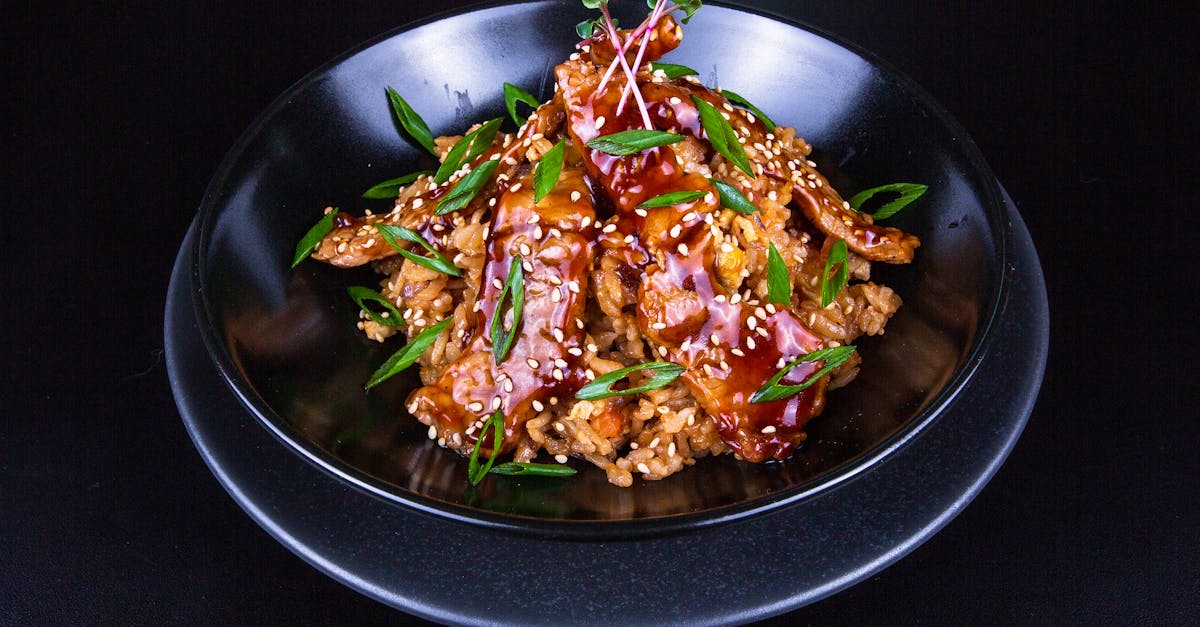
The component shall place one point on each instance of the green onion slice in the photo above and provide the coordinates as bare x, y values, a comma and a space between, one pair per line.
313, 237
467, 187
670, 199
438, 263
837, 259
779, 284
466, 149
722, 136
513, 95
773, 391
673, 70
632, 141
737, 99
908, 192
411, 122
391, 187
664, 372
731, 198
545, 174
533, 470
361, 295
408, 354
514, 289
475, 471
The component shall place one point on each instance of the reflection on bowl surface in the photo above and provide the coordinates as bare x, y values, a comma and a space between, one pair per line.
287, 340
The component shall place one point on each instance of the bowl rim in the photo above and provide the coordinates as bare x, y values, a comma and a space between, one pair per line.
839, 474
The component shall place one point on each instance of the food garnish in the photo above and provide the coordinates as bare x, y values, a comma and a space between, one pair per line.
513, 95
437, 263
391, 187
407, 355
671, 199
545, 174
464, 192
663, 373
531, 469
673, 70
722, 136
475, 470
503, 335
313, 237
773, 391
738, 100
361, 295
412, 123
631, 142
837, 265
908, 192
779, 283
731, 198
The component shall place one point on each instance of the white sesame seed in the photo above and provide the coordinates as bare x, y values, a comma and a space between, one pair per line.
557, 333
750, 343
432, 432
497, 283
600, 122
533, 363
575, 196
768, 429
675, 231
683, 249
653, 443
475, 407
643, 468
751, 322
555, 296
609, 228
524, 248
560, 458
575, 350
557, 374
537, 405
739, 352
495, 403
662, 350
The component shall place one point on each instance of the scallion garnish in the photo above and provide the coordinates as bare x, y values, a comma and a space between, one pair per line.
475, 471
908, 193
779, 283
632, 141
438, 263
545, 174
773, 391
671, 199
514, 290
467, 187
664, 372
673, 70
533, 470
837, 259
466, 149
513, 95
361, 295
722, 136
737, 99
731, 198
411, 122
313, 237
391, 187
408, 354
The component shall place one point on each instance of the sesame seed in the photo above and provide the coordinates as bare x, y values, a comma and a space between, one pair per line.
653, 443
735, 299
515, 188
537, 232
720, 298
557, 333
770, 309
658, 326
750, 343
573, 286
553, 400
495, 403
685, 345
557, 374
671, 449
724, 365
533, 363
600, 122
475, 407
683, 249
555, 296
641, 212
537, 405
708, 371
497, 283
575, 196
689, 216
633, 445
762, 331
662, 350
674, 100
592, 348
716, 340
560, 458
524, 248
432, 432
575, 350
768, 429
609, 228
675, 231
642, 468
527, 266
751, 322
739, 352
629, 238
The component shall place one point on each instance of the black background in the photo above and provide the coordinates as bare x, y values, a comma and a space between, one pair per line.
115, 116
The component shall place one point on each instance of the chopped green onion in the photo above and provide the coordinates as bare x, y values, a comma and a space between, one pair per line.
731, 198
671, 199
361, 295
779, 284
313, 237
673, 70
721, 135
411, 122
772, 391
438, 263
664, 372
533, 470
408, 354
513, 95
514, 289
632, 141
837, 258
737, 99
908, 193
545, 174
476, 472
467, 187
391, 187
466, 149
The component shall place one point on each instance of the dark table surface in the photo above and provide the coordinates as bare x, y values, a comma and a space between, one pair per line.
116, 116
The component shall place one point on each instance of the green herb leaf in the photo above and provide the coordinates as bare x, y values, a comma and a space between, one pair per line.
594, 4
408, 354
411, 122
476, 472
779, 283
467, 187
731, 198
513, 95
587, 28
740, 101
909, 192
545, 174
313, 237
836, 259
689, 7
722, 136
671, 199
391, 187
664, 372
632, 141
514, 288
466, 149
438, 263
673, 70
772, 391
361, 295
533, 470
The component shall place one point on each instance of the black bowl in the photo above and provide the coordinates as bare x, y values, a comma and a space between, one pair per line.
285, 340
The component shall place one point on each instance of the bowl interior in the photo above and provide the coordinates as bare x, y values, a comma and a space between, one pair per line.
286, 340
